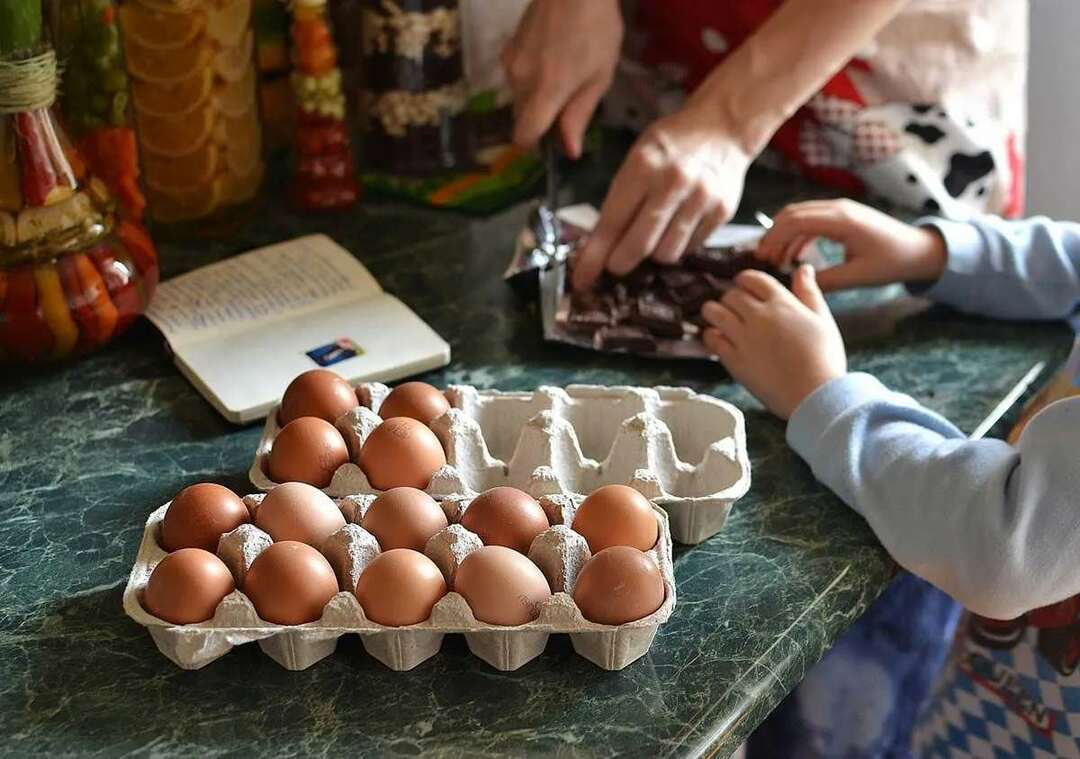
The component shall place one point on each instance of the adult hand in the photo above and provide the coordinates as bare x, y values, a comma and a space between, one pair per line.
878, 249
682, 179
559, 63
780, 344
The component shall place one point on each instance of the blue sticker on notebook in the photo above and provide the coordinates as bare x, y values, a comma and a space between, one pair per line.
334, 353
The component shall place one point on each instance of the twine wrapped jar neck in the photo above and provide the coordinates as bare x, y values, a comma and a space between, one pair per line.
27, 84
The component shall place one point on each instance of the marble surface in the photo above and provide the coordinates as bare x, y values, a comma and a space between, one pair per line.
88, 450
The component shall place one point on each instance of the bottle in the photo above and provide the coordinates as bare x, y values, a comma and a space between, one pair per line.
94, 99
414, 93
325, 177
73, 273
194, 95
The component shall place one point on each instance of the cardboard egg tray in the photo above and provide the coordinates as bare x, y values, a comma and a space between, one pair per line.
559, 552
684, 451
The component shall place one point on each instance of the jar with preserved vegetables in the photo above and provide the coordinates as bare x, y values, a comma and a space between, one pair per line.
325, 177
194, 94
94, 99
73, 273
414, 93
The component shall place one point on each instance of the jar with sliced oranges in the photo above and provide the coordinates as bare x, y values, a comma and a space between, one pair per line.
194, 95
73, 273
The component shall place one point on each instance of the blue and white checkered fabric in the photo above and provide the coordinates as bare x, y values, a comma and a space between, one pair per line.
969, 717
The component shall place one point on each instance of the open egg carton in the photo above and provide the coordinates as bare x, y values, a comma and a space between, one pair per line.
559, 552
685, 451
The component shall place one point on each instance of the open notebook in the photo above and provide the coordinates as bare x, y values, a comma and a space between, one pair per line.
242, 328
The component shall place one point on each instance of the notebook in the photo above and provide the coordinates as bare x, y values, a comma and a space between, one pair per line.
241, 329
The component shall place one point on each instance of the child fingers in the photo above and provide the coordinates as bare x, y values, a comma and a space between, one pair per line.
721, 317
745, 305
758, 284
794, 222
719, 343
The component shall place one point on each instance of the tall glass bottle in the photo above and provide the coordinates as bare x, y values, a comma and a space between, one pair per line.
72, 274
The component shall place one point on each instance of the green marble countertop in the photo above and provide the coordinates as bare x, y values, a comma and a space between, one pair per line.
88, 450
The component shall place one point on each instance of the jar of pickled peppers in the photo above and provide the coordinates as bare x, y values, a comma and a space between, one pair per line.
73, 272
94, 102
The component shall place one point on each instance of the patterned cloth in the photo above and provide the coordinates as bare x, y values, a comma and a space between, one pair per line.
1010, 690
942, 135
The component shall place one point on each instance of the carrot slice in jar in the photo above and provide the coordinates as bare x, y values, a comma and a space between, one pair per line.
82, 307
97, 294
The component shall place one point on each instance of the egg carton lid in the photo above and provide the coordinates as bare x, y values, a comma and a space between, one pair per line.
569, 441
235, 621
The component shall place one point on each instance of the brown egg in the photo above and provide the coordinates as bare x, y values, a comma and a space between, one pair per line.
505, 517
403, 518
616, 515
401, 452
199, 515
501, 586
290, 583
308, 450
400, 587
618, 585
319, 393
187, 586
416, 400
300, 512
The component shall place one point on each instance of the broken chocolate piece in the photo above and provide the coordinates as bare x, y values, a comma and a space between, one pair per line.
723, 262
661, 318
625, 338
675, 278
690, 298
642, 278
588, 313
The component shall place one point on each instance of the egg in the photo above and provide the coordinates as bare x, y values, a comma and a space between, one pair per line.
505, 517
401, 452
297, 511
319, 393
187, 586
416, 400
618, 585
616, 515
501, 586
403, 518
308, 450
400, 587
200, 514
290, 583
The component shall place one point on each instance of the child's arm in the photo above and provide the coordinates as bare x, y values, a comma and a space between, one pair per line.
994, 526
1011, 270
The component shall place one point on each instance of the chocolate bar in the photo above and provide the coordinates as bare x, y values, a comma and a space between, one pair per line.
662, 319
691, 297
722, 262
676, 279
624, 337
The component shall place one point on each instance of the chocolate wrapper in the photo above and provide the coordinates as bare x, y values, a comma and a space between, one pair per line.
653, 312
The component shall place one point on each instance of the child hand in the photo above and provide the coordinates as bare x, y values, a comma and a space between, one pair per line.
878, 249
781, 345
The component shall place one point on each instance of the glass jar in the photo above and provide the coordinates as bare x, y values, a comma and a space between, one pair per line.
194, 95
72, 274
94, 99
270, 19
325, 178
414, 92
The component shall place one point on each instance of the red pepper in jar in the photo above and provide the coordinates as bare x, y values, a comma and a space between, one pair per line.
141, 248
25, 333
97, 294
121, 280
82, 308
39, 178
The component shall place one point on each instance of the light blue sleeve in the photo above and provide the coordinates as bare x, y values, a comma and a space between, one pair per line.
1009, 269
996, 527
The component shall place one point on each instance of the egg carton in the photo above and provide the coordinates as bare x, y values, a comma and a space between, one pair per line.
684, 450
559, 552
